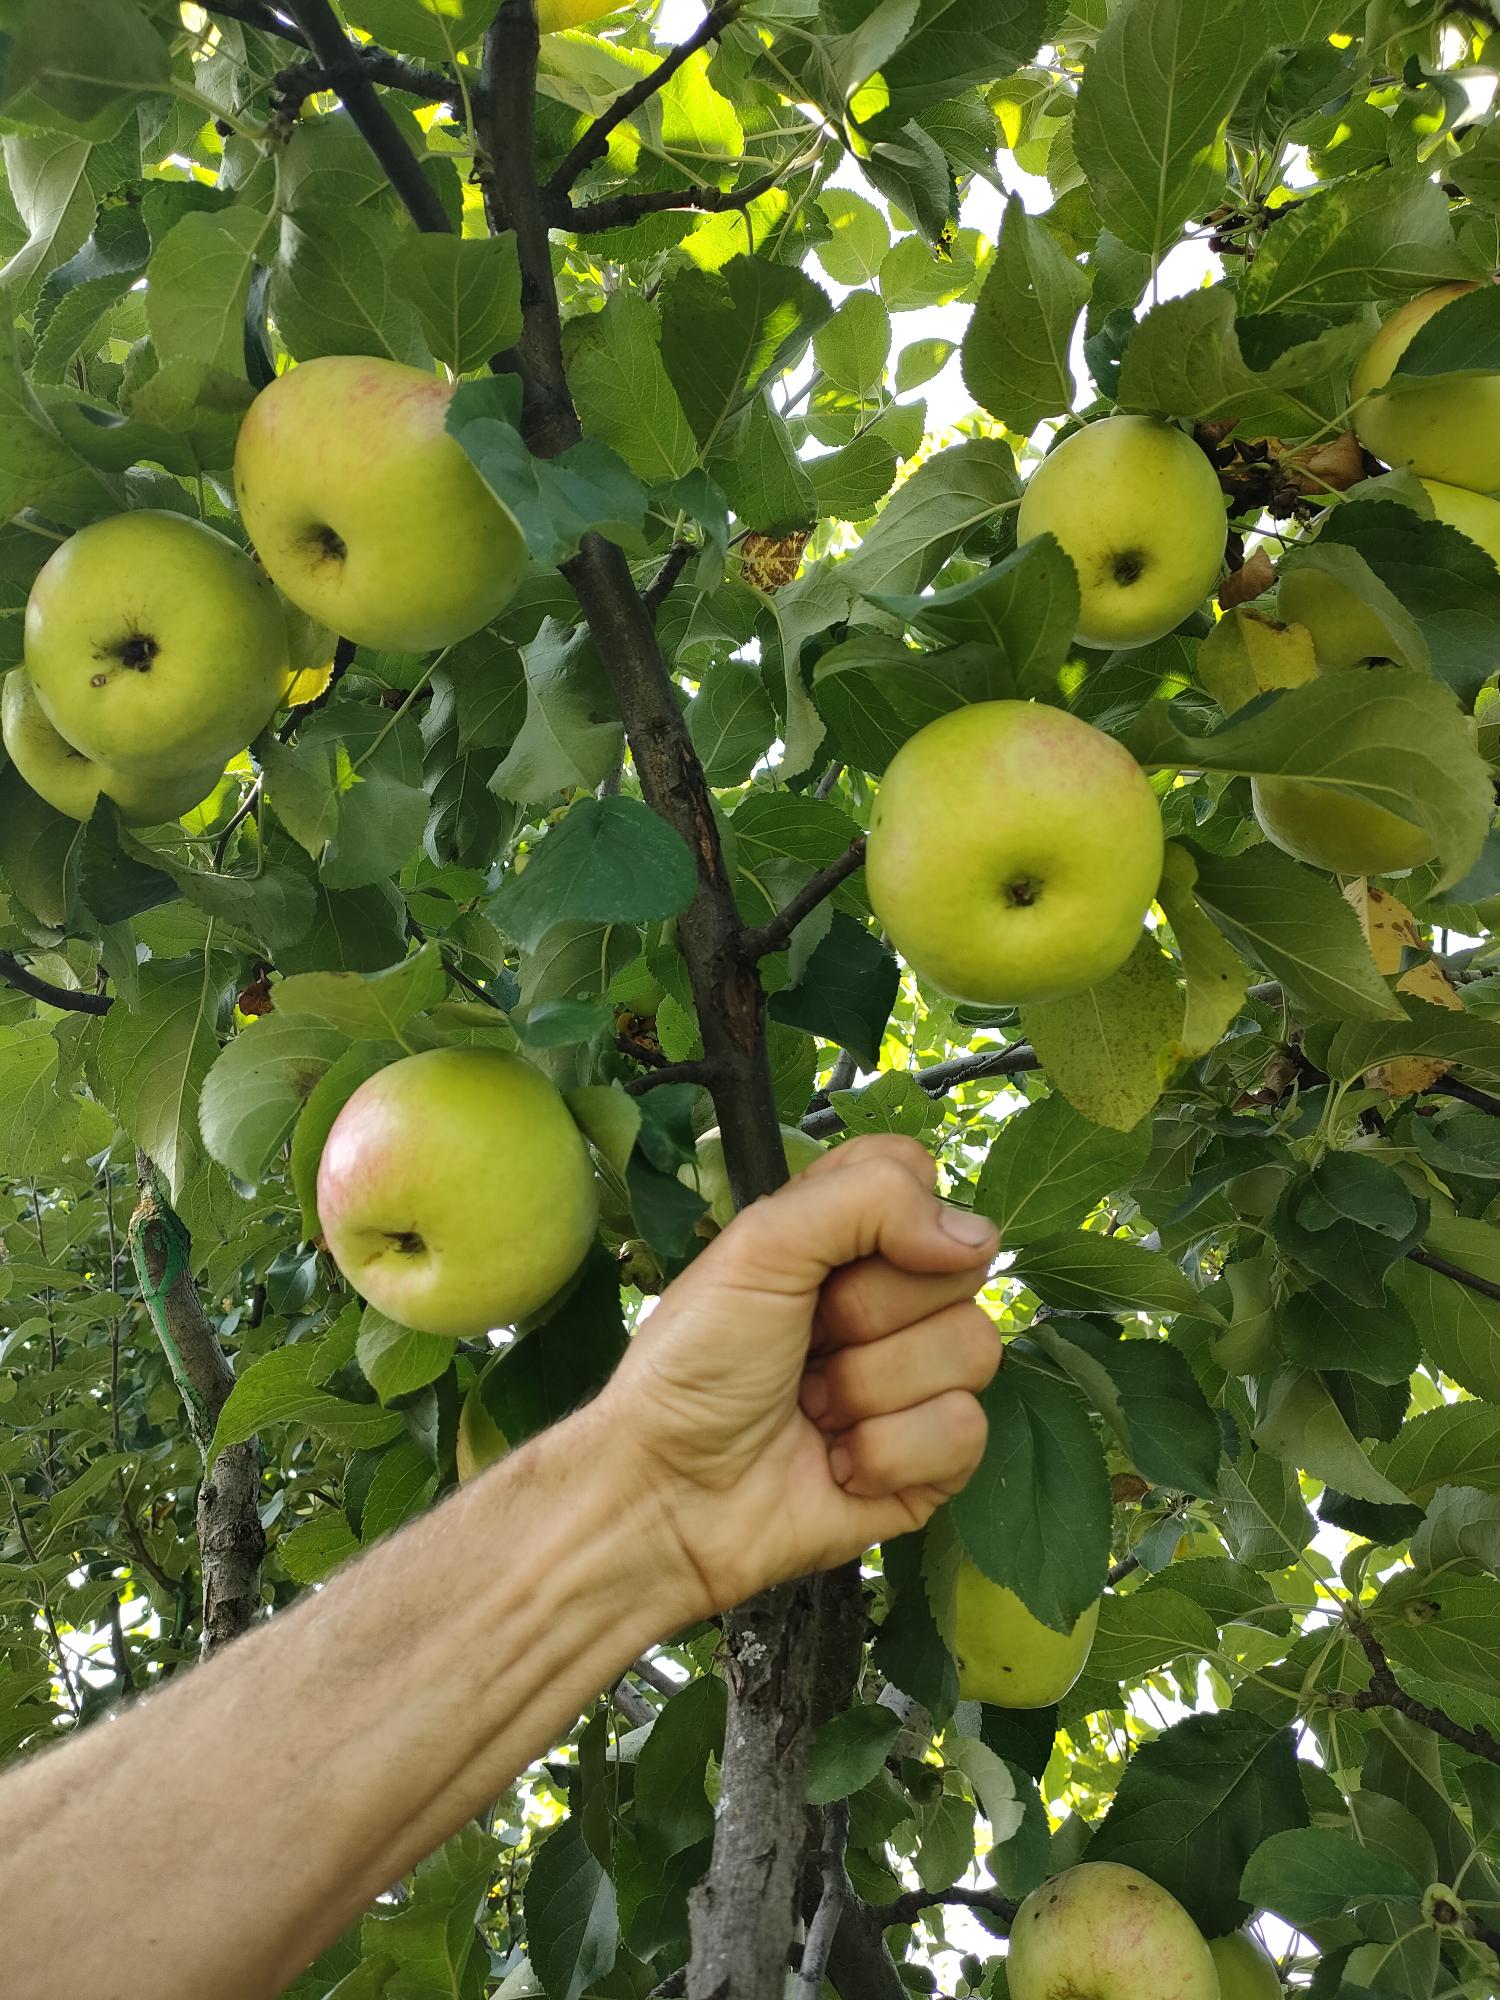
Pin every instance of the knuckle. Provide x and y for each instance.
(847, 1308)
(979, 1346)
(967, 1427)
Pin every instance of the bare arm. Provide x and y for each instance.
(359, 1730)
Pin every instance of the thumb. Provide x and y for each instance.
(873, 1196)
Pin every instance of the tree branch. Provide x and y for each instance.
(68, 998)
(906, 1909)
(256, 14)
(822, 1121)
(1486, 1287)
(680, 1072)
(837, 1892)
(662, 584)
(231, 1540)
(379, 130)
(777, 934)
(1466, 1093)
(293, 86)
(618, 211)
(594, 143)
(1385, 1691)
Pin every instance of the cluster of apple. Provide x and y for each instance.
(1101, 1931)
(155, 649)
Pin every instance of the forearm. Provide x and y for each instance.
(285, 1787)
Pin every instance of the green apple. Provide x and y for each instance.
(1473, 514)
(1443, 427)
(1245, 1971)
(1330, 830)
(1101, 1931)
(71, 782)
(708, 1174)
(366, 512)
(1137, 506)
(1042, 889)
(155, 645)
(455, 1192)
(1008, 1657)
(480, 1440)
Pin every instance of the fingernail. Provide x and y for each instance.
(816, 1394)
(840, 1464)
(965, 1227)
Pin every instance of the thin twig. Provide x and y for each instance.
(256, 14)
(776, 934)
(656, 593)
(1385, 1691)
(1486, 1287)
(618, 211)
(1126, 1566)
(68, 998)
(45, 1603)
(907, 1908)
(940, 1078)
(1466, 1093)
(828, 780)
(594, 142)
(370, 116)
(679, 1072)
(837, 1892)
(237, 818)
(299, 81)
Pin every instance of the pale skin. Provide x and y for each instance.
(806, 1389)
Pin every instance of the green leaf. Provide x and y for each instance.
(609, 860)
(725, 332)
(1322, 1328)
(849, 484)
(1111, 1048)
(38, 467)
(316, 1548)
(1048, 1166)
(1147, 1394)
(731, 721)
(254, 1094)
(1462, 1526)
(853, 253)
(1301, 1424)
(1265, 1521)
(992, 1782)
(1459, 1328)
(152, 1059)
(1446, 1628)
(1184, 359)
(622, 390)
(1083, 1272)
(1384, 236)
(433, 29)
(854, 344)
(894, 1102)
(1423, 1030)
(847, 990)
(1213, 971)
(1195, 1804)
(1399, 741)
(197, 285)
(395, 1361)
(372, 1006)
(1025, 606)
(558, 500)
(1142, 1632)
(1312, 1875)
(570, 737)
(757, 469)
(563, 1362)
(1295, 926)
(572, 1928)
(1036, 1515)
(278, 1389)
(952, 43)
(849, 1750)
(1468, 1143)
(404, 1483)
(672, 1808)
(1156, 95)
(948, 498)
(79, 68)
(467, 292)
(350, 791)
(1016, 350)
(1457, 1445)
(337, 286)
(41, 1122)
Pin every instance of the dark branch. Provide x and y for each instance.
(1486, 1287)
(1466, 1093)
(299, 81)
(1126, 1566)
(661, 585)
(343, 659)
(68, 998)
(942, 1077)
(777, 934)
(1385, 1691)
(594, 143)
(906, 1909)
(379, 130)
(619, 211)
(680, 1072)
(256, 14)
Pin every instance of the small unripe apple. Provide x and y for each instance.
(1042, 888)
(1008, 1657)
(71, 783)
(1473, 514)
(707, 1172)
(1441, 427)
(480, 1440)
(155, 645)
(1245, 1971)
(1329, 830)
(1137, 506)
(455, 1192)
(1102, 1931)
(364, 510)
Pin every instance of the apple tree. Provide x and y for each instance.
(758, 325)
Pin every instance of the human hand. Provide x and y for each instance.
(808, 1386)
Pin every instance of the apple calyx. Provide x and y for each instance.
(1443, 1908)
(135, 653)
(326, 543)
(1127, 567)
(1023, 893)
